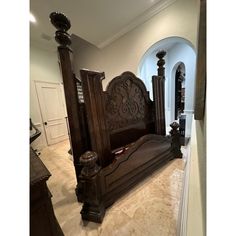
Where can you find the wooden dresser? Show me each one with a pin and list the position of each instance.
(42, 218)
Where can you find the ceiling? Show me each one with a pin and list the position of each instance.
(98, 22)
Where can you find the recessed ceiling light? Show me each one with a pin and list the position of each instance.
(32, 18)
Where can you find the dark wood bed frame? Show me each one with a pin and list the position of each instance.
(118, 136)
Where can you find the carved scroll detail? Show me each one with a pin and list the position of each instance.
(126, 102)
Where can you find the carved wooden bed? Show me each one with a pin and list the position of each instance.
(117, 136)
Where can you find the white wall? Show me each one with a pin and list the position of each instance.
(180, 19)
(43, 67)
(192, 213)
(147, 70)
(196, 207)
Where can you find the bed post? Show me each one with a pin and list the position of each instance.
(93, 208)
(94, 103)
(175, 140)
(158, 86)
(78, 145)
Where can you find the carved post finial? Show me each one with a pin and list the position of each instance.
(158, 86)
(175, 140)
(88, 160)
(161, 63)
(62, 24)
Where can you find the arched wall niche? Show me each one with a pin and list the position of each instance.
(179, 50)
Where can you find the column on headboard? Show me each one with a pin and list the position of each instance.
(94, 103)
(158, 86)
(78, 145)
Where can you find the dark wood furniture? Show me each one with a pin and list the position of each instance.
(36, 131)
(182, 125)
(118, 136)
(42, 218)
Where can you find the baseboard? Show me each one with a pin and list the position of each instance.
(183, 206)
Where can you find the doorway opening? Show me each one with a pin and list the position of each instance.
(180, 64)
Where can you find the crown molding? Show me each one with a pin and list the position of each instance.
(158, 7)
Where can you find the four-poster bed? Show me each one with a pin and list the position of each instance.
(118, 135)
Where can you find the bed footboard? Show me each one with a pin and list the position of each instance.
(103, 186)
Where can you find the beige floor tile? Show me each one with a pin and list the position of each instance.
(150, 208)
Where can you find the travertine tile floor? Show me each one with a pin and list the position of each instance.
(151, 208)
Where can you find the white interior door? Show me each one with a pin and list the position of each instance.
(53, 111)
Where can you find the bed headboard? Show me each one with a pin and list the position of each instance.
(129, 112)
